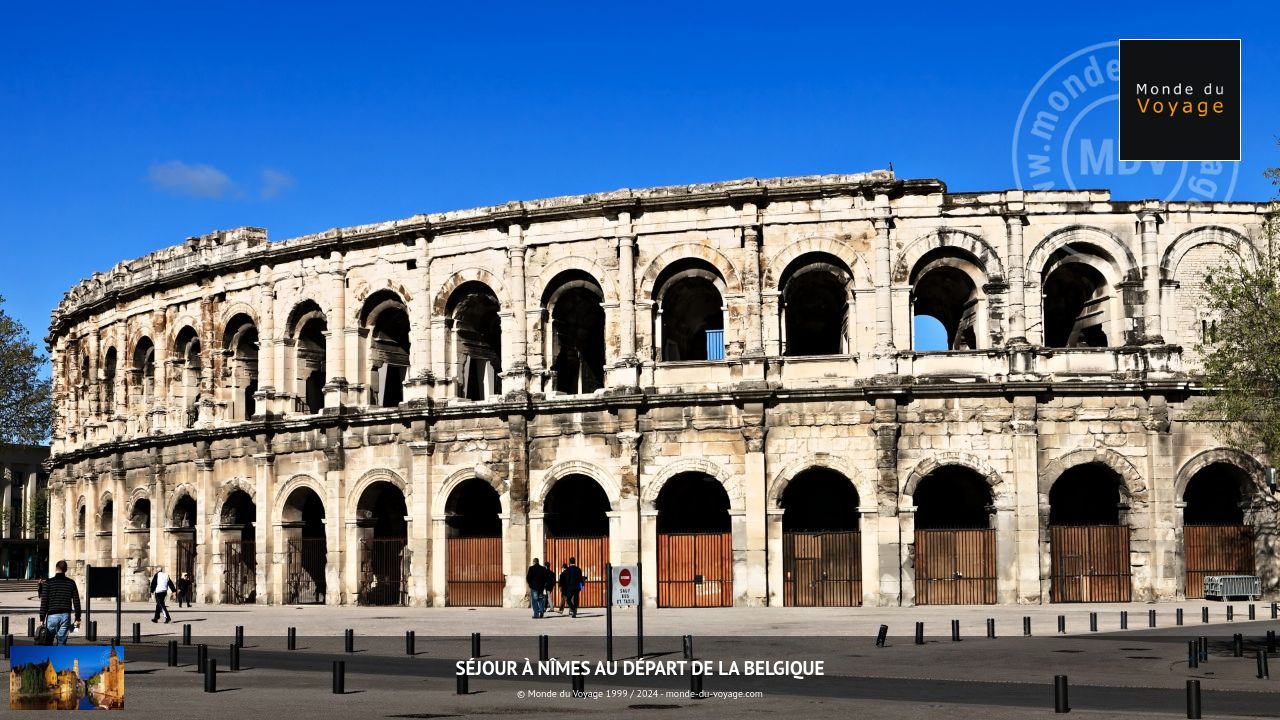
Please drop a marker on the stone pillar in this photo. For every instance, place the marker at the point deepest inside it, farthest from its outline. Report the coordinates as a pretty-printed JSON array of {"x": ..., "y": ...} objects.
[
  {"x": 208, "y": 554},
  {"x": 892, "y": 534},
  {"x": 869, "y": 529},
  {"x": 751, "y": 286},
  {"x": 775, "y": 572},
  {"x": 1016, "y": 305},
  {"x": 57, "y": 520},
  {"x": 756, "y": 479},
  {"x": 421, "y": 589},
  {"x": 91, "y": 551},
  {"x": 338, "y": 348},
  {"x": 1006, "y": 525},
  {"x": 627, "y": 293},
  {"x": 1149, "y": 218},
  {"x": 886, "y": 355},
  {"x": 1025, "y": 478},
  {"x": 906, "y": 554},
  {"x": 628, "y": 540},
  {"x": 1163, "y": 518},
  {"x": 420, "y": 379},
  {"x": 517, "y": 364},
  {"x": 270, "y": 355},
  {"x": 517, "y": 537},
  {"x": 158, "y": 537},
  {"x": 269, "y": 579}
]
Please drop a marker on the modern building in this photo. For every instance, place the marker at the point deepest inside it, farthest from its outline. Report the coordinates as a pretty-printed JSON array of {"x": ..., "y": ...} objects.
[
  {"x": 24, "y": 512},
  {"x": 727, "y": 382}
]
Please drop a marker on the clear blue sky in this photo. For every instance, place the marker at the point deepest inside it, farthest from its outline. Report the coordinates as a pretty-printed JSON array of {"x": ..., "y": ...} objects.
[{"x": 126, "y": 128}]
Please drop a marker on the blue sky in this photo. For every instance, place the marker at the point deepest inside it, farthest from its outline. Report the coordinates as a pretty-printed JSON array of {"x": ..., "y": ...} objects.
[{"x": 125, "y": 128}]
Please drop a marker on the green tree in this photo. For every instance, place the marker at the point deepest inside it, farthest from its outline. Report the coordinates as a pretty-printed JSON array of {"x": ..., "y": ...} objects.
[{"x": 26, "y": 410}]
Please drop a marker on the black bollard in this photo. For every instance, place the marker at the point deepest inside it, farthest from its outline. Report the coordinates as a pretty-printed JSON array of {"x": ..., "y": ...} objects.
[
  {"x": 1151, "y": 618},
  {"x": 92, "y": 635},
  {"x": 1060, "y": 704},
  {"x": 186, "y": 634},
  {"x": 4, "y": 625},
  {"x": 211, "y": 676},
  {"x": 475, "y": 645},
  {"x": 462, "y": 684},
  {"x": 293, "y": 638},
  {"x": 1124, "y": 619},
  {"x": 1179, "y": 618},
  {"x": 1253, "y": 612},
  {"x": 688, "y": 647},
  {"x": 202, "y": 656},
  {"x": 31, "y": 627},
  {"x": 1204, "y": 649},
  {"x": 409, "y": 640},
  {"x": 1263, "y": 671},
  {"x": 1193, "y": 654},
  {"x": 1275, "y": 610},
  {"x": 239, "y": 636},
  {"x": 695, "y": 684},
  {"x": 544, "y": 647},
  {"x": 1231, "y": 613},
  {"x": 339, "y": 677},
  {"x": 919, "y": 633},
  {"x": 1237, "y": 645},
  {"x": 1193, "y": 698},
  {"x": 1062, "y": 624},
  {"x": 991, "y": 627},
  {"x": 1204, "y": 614},
  {"x": 233, "y": 662},
  {"x": 350, "y": 641},
  {"x": 579, "y": 684},
  {"x": 955, "y": 631},
  {"x": 137, "y": 633},
  {"x": 1271, "y": 642},
  {"x": 880, "y": 636},
  {"x": 173, "y": 653},
  {"x": 8, "y": 643},
  {"x": 1026, "y": 625},
  {"x": 1093, "y": 622}
]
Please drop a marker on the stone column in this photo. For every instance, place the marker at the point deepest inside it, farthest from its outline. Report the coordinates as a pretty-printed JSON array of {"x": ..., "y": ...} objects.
[
  {"x": 627, "y": 292},
  {"x": 517, "y": 366},
  {"x": 208, "y": 556},
  {"x": 158, "y": 536},
  {"x": 270, "y": 357},
  {"x": 1163, "y": 521},
  {"x": 341, "y": 568},
  {"x": 869, "y": 529},
  {"x": 269, "y": 578},
  {"x": 775, "y": 572},
  {"x": 57, "y": 520},
  {"x": 628, "y": 541},
  {"x": 892, "y": 535},
  {"x": 1006, "y": 524},
  {"x": 906, "y": 554},
  {"x": 756, "y": 480},
  {"x": 517, "y": 537},
  {"x": 886, "y": 360},
  {"x": 420, "y": 379},
  {"x": 338, "y": 348},
  {"x": 1025, "y": 478},
  {"x": 421, "y": 589},
  {"x": 91, "y": 551},
  {"x": 751, "y": 285},
  {"x": 1016, "y": 306},
  {"x": 1150, "y": 219}
]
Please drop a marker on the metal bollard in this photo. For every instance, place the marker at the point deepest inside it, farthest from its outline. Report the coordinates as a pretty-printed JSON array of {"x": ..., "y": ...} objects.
[
  {"x": 202, "y": 657},
  {"x": 1151, "y": 618},
  {"x": 1231, "y": 613},
  {"x": 955, "y": 631},
  {"x": 349, "y": 640},
  {"x": 1062, "y": 624},
  {"x": 1179, "y": 616},
  {"x": 1193, "y": 698},
  {"x": 173, "y": 653},
  {"x": 579, "y": 683},
  {"x": 991, "y": 627},
  {"x": 1124, "y": 619},
  {"x": 475, "y": 645},
  {"x": 1263, "y": 671},
  {"x": 409, "y": 640},
  {"x": 919, "y": 633},
  {"x": 31, "y": 627},
  {"x": 1271, "y": 642},
  {"x": 544, "y": 647},
  {"x": 688, "y": 647},
  {"x": 1026, "y": 625},
  {"x": 695, "y": 684},
  {"x": 462, "y": 684},
  {"x": 234, "y": 661},
  {"x": 292, "y": 636},
  {"x": 137, "y": 633},
  {"x": 4, "y": 625},
  {"x": 1204, "y": 649},
  {"x": 1237, "y": 645},
  {"x": 1193, "y": 654},
  {"x": 186, "y": 634},
  {"x": 880, "y": 636},
  {"x": 211, "y": 676},
  {"x": 1253, "y": 612},
  {"x": 1060, "y": 704},
  {"x": 239, "y": 636},
  {"x": 92, "y": 635},
  {"x": 1275, "y": 610},
  {"x": 1204, "y": 614},
  {"x": 1093, "y": 622},
  {"x": 339, "y": 677}
]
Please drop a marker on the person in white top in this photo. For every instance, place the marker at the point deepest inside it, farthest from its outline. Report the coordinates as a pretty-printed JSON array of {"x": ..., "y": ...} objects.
[{"x": 161, "y": 584}]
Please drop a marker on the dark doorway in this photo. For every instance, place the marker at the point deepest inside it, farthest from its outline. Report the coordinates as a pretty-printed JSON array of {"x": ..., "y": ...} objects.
[
  {"x": 955, "y": 558},
  {"x": 1216, "y": 539},
  {"x": 821, "y": 545},
  {"x": 1089, "y": 548},
  {"x": 306, "y": 548},
  {"x": 576, "y": 326},
  {"x": 384, "y": 538},
  {"x": 577, "y": 526},
  {"x": 695, "y": 546},
  {"x": 239, "y": 561},
  {"x": 474, "y": 573}
]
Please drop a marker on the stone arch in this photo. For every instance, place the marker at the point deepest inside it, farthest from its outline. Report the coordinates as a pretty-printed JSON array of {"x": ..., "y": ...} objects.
[
  {"x": 560, "y": 470},
  {"x": 105, "y": 498},
  {"x": 375, "y": 475},
  {"x": 1121, "y": 255},
  {"x": 141, "y": 492},
  {"x": 816, "y": 244},
  {"x": 363, "y": 291},
  {"x": 227, "y": 488},
  {"x": 286, "y": 489},
  {"x": 299, "y": 310},
  {"x": 458, "y": 477},
  {"x": 1205, "y": 235},
  {"x": 239, "y": 307},
  {"x": 572, "y": 262},
  {"x": 813, "y": 461},
  {"x": 177, "y": 327},
  {"x": 171, "y": 503},
  {"x": 465, "y": 275},
  {"x": 1133, "y": 486},
  {"x": 731, "y": 483},
  {"x": 1242, "y": 460},
  {"x": 706, "y": 253},
  {"x": 982, "y": 251},
  {"x": 1001, "y": 491}
]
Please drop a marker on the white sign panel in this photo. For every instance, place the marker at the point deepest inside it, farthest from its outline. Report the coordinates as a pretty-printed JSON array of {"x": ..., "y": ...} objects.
[{"x": 626, "y": 583}]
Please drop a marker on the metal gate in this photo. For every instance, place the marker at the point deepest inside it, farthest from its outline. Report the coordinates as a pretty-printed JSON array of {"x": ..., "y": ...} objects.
[
  {"x": 956, "y": 567},
  {"x": 695, "y": 570},
  {"x": 239, "y": 571},
  {"x": 474, "y": 576},
  {"x": 305, "y": 583},
  {"x": 1090, "y": 563},
  {"x": 822, "y": 569},
  {"x": 384, "y": 571},
  {"x": 591, "y": 553},
  {"x": 185, "y": 559},
  {"x": 1216, "y": 550}
]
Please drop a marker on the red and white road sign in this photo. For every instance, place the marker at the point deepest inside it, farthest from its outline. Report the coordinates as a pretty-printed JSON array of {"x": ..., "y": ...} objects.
[{"x": 625, "y": 589}]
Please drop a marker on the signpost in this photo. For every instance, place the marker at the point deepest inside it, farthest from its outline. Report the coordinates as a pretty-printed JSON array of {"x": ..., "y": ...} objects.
[
  {"x": 624, "y": 590},
  {"x": 102, "y": 582}
]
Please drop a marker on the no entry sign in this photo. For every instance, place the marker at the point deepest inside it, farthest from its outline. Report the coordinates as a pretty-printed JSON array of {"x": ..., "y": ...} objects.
[{"x": 625, "y": 581}]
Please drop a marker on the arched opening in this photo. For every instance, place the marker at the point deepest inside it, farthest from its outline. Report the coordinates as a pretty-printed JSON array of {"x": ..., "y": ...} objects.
[
  {"x": 695, "y": 543},
  {"x": 382, "y": 529},
  {"x": 945, "y": 288},
  {"x": 690, "y": 322},
  {"x": 140, "y": 517},
  {"x": 239, "y": 548},
  {"x": 106, "y": 527},
  {"x": 474, "y": 574},
  {"x": 385, "y": 321},
  {"x": 1088, "y": 542},
  {"x": 816, "y": 306},
  {"x": 309, "y": 332},
  {"x": 188, "y": 368},
  {"x": 240, "y": 343},
  {"x": 576, "y": 518},
  {"x": 303, "y": 526},
  {"x": 574, "y": 328},
  {"x": 476, "y": 332},
  {"x": 1216, "y": 539},
  {"x": 955, "y": 543},
  {"x": 821, "y": 545},
  {"x": 143, "y": 373},
  {"x": 1078, "y": 300},
  {"x": 109, "y": 363},
  {"x": 183, "y": 530}
]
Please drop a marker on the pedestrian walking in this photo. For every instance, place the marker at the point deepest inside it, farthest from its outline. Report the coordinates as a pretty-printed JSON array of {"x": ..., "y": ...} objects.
[
  {"x": 61, "y": 598},
  {"x": 572, "y": 580},
  {"x": 185, "y": 588},
  {"x": 537, "y": 588},
  {"x": 563, "y": 568},
  {"x": 161, "y": 585}
]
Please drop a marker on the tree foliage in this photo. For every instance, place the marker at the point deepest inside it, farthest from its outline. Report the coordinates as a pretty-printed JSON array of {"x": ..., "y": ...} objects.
[{"x": 26, "y": 410}]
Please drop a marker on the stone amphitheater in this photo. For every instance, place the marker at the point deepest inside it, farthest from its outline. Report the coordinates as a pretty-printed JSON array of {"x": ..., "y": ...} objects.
[{"x": 812, "y": 391}]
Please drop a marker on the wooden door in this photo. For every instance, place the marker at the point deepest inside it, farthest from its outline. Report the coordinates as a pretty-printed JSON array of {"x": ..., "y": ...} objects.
[
  {"x": 592, "y": 553},
  {"x": 1216, "y": 550},
  {"x": 474, "y": 576},
  {"x": 1090, "y": 563},
  {"x": 822, "y": 569},
  {"x": 695, "y": 570},
  {"x": 956, "y": 567}
]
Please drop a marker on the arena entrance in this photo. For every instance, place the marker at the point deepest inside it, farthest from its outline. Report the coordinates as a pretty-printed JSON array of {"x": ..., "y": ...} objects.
[
  {"x": 239, "y": 549},
  {"x": 955, "y": 555},
  {"x": 183, "y": 530},
  {"x": 1088, "y": 545},
  {"x": 577, "y": 526},
  {"x": 695, "y": 543},
  {"x": 474, "y": 575},
  {"x": 383, "y": 529},
  {"x": 821, "y": 545},
  {"x": 1215, "y": 538},
  {"x": 306, "y": 548}
]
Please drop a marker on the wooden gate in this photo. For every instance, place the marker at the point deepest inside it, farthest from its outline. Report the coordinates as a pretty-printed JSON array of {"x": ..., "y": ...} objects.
[
  {"x": 822, "y": 569},
  {"x": 956, "y": 567},
  {"x": 304, "y": 582},
  {"x": 185, "y": 560},
  {"x": 695, "y": 570},
  {"x": 1216, "y": 550},
  {"x": 592, "y": 553},
  {"x": 1090, "y": 563},
  {"x": 474, "y": 576},
  {"x": 384, "y": 571},
  {"x": 239, "y": 571}
]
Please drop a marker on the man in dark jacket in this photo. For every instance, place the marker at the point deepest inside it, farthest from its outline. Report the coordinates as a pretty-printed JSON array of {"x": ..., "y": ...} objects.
[
  {"x": 536, "y": 579},
  {"x": 61, "y": 598},
  {"x": 571, "y": 582}
]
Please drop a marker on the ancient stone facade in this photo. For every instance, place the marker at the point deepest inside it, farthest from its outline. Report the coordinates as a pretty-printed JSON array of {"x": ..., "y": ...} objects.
[{"x": 330, "y": 418}]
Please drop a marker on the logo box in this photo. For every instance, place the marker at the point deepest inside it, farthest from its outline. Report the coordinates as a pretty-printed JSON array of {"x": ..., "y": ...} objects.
[{"x": 1180, "y": 100}]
